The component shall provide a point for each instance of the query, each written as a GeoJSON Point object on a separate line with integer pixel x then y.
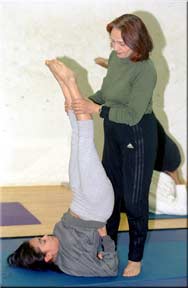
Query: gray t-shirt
{"type": "Point", "coordinates": [79, 244]}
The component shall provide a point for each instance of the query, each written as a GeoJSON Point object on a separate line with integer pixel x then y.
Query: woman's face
{"type": "Point", "coordinates": [49, 245]}
{"type": "Point", "coordinates": [118, 45]}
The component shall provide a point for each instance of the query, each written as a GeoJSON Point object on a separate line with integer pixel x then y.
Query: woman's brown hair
{"type": "Point", "coordinates": [25, 256]}
{"type": "Point", "coordinates": [134, 34]}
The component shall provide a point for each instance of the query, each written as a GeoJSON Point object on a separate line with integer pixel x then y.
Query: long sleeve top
{"type": "Point", "coordinates": [127, 89]}
{"type": "Point", "coordinates": [79, 243]}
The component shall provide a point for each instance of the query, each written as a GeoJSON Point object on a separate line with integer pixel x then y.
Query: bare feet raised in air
{"type": "Point", "coordinates": [132, 269]}
{"type": "Point", "coordinates": [67, 80]}
{"type": "Point", "coordinates": [55, 69]}
{"type": "Point", "coordinates": [59, 69]}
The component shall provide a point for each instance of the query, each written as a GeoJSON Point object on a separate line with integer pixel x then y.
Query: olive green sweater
{"type": "Point", "coordinates": [127, 89]}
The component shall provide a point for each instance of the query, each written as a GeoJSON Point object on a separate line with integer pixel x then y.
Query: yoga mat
{"type": "Point", "coordinates": [165, 216]}
{"type": "Point", "coordinates": [164, 265]}
{"type": "Point", "coordinates": [14, 213]}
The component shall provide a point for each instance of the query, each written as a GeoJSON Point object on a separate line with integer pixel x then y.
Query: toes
{"type": "Point", "coordinates": [131, 273]}
{"type": "Point", "coordinates": [132, 269]}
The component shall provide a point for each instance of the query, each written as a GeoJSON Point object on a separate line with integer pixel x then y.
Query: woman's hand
{"type": "Point", "coordinates": [84, 106]}
{"type": "Point", "coordinates": [102, 62]}
{"type": "Point", "coordinates": [100, 255]}
{"type": "Point", "coordinates": [67, 105]}
{"type": "Point", "coordinates": [102, 231]}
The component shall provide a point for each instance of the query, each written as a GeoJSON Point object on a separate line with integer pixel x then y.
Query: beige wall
{"type": "Point", "coordinates": [34, 130]}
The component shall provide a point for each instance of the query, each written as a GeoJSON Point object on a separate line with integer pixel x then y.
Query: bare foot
{"type": "Point", "coordinates": [52, 65]}
{"type": "Point", "coordinates": [63, 72]}
{"type": "Point", "coordinates": [132, 269]}
{"type": "Point", "coordinates": [67, 80]}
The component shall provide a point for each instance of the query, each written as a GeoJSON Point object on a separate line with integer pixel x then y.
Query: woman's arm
{"type": "Point", "coordinates": [108, 263]}
{"type": "Point", "coordinates": [102, 62]}
{"type": "Point", "coordinates": [83, 106]}
{"type": "Point", "coordinates": [140, 97]}
{"type": "Point", "coordinates": [93, 106]}
{"type": "Point", "coordinates": [68, 83]}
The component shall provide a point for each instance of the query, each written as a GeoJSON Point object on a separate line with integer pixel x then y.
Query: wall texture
{"type": "Point", "coordinates": [34, 129]}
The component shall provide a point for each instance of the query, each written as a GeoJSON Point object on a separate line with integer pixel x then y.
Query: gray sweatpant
{"type": "Point", "coordinates": [93, 195]}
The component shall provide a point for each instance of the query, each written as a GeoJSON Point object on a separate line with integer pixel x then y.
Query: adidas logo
{"type": "Point", "coordinates": [130, 146]}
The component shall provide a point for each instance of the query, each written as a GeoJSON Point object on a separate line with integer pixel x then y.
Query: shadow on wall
{"type": "Point", "coordinates": [160, 62]}
{"type": "Point", "coordinates": [86, 90]}
{"type": "Point", "coordinates": [163, 73]}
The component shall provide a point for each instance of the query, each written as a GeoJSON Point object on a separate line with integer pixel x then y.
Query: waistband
{"type": "Point", "coordinates": [72, 220]}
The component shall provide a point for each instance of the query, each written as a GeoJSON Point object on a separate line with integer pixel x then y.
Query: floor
{"type": "Point", "coordinates": [48, 203]}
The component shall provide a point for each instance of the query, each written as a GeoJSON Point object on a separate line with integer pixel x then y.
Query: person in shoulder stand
{"type": "Point", "coordinates": [79, 245]}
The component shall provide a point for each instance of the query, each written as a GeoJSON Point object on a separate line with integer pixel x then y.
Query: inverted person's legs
{"type": "Point", "coordinates": [92, 190]}
{"type": "Point", "coordinates": [94, 200]}
{"type": "Point", "coordinates": [96, 189]}
{"type": "Point", "coordinates": [74, 177]}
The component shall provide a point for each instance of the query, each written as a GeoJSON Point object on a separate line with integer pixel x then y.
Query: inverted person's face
{"type": "Point", "coordinates": [48, 245]}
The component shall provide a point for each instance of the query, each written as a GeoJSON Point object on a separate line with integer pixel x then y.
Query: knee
{"type": "Point", "coordinates": [137, 209]}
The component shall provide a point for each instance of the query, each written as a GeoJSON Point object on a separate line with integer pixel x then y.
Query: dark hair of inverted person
{"type": "Point", "coordinates": [134, 34]}
{"type": "Point", "coordinates": [26, 256]}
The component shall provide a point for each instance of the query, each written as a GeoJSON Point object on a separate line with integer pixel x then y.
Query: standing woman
{"type": "Point", "coordinates": [130, 129]}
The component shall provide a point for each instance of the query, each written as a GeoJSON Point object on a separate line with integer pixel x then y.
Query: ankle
{"type": "Point", "coordinates": [132, 269]}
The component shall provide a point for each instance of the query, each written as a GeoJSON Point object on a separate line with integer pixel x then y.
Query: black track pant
{"type": "Point", "coordinates": [129, 158]}
{"type": "Point", "coordinates": [130, 155]}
